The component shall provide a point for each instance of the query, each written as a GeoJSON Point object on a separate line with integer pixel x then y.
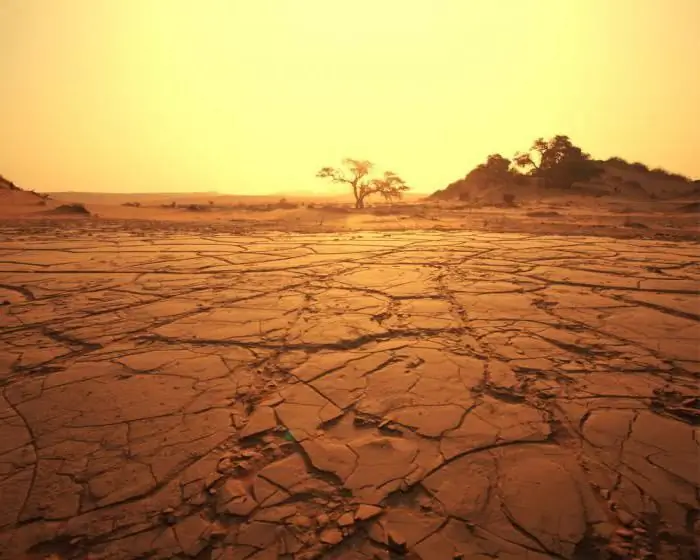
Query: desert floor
{"type": "Point", "coordinates": [187, 392]}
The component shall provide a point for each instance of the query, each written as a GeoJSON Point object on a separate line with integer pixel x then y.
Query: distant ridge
{"type": "Point", "coordinates": [7, 184]}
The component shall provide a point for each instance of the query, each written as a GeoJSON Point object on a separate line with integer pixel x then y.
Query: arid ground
{"type": "Point", "coordinates": [187, 392]}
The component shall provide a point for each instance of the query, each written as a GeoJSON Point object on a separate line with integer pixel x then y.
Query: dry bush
{"type": "Point", "coordinates": [509, 199]}
{"type": "Point", "coordinates": [74, 208]}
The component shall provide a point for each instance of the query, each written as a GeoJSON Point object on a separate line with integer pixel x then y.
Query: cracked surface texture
{"type": "Point", "coordinates": [428, 395]}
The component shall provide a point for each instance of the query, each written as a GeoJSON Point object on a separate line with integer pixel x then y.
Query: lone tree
{"type": "Point", "coordinates": [558, 162]}
{"type": "Point", "coordinates": [356, 174]}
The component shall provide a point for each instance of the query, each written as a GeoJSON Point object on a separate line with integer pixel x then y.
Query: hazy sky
{"type": "Point", "coordinates": [254, 96]}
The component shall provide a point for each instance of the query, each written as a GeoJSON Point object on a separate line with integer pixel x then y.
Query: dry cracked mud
{"type": "Point", "coordinates": [430, 395]}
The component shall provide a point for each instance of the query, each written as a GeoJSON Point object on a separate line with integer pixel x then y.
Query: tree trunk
{"type": "Point", "coordinates": [359, 203]}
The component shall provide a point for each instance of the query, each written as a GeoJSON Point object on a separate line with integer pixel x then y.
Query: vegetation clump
{"type": "Point", "coordinates": [356, 174]}
{"type": "Point", "coordinates": [73, 208]}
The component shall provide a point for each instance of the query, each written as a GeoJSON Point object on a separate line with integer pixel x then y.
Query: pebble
{"type": "Point", "coordinates": [301, 521]}
{"type": "Point", "coordinates": [625, 533]}
{"type": "Point", "coordinates": [396, 542]}
{"type": "Point", "coordinates": [346, 519]}
{"type": "Point", "coordinates": [367, 512]}
{"type": "Point", "coordinates": [625, 517]}
{"type": "Point", "coordinates": [322, 520]}
{"type": "Point", "coordinates": [331, 536]}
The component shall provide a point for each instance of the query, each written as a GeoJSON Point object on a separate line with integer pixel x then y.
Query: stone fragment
{"type": "Point", "coordinates": [365, 512]}
{"type": "Point", "coordinates": [262, 420]}
{"type": "Point", "coordinates": [331, 536]}
{"type": "Point", "coordinates": [625, 517]}
{"type": "Point", "coordinates": [233, 498]}
{"type": "Point", "coordinates": [190, 534]}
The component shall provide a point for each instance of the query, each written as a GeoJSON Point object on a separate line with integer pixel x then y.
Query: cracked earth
{"type": "Point", "coordinates": [427, 395]}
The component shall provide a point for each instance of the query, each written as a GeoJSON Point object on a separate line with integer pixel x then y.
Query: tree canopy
{"type": "Point", "coordinates": [558, 162]}
{"type": "Point", "coordinates": [356, 174]}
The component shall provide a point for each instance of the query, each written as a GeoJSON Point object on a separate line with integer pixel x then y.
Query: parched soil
{"type": "Point", "coordinates": [427, 394]}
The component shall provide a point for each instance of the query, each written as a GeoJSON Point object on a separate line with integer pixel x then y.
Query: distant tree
{"type": "Point", "coordinates": [617, 162]}
{"type": "Point", "coordinates": [356, 175]}
{"type": "Point", "coordinates": [558, 162]}
{"type": "Point", "coordinates": [638, 166]}
{"type": "Point", "coordinates": [497, 169]}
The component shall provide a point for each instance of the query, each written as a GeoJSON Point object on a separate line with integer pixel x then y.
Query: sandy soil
{"type": "Point", "coordinates": [563, 215]}
{"type": "Point", "coordinates": [202, 389]}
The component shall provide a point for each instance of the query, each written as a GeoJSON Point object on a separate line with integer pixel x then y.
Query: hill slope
{"type": "Point", "coordinates": [17, 201]}
{"type": "Point", "coordinates": [618, 180]}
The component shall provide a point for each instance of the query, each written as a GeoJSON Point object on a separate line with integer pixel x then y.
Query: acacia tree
{"type": "Point", "coordinates": [496, 170]}
{"type": "Point", "coordinates": [558, 162]}
{"type": "Point", "coordinates": [356, 174]}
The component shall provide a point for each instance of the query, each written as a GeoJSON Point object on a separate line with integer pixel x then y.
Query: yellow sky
{"type": "Point", "coordinates": [254, 96]}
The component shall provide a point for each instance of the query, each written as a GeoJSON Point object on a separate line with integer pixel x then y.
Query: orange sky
{"type": "Point", "coordinates": [254, 96]}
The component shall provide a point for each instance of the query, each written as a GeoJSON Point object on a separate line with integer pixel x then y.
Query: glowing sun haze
{"type": "Point", "coordinates": [255, 96]}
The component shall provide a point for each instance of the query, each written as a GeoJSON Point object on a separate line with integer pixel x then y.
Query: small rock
{"type": "Point", "coordinates": [365, 512]}
{"type": "Point", "coordinates": [605, 493]}
{"type": "Point", "coordinates": [640, 530]}
{"type": "Point", "coordinates": [250, 454]}
{"type": "Point", "coordinates": [234, 499]}
{"type": "Point", "coordinates": [346, 519]}
{"type": "Point", "coordinates": [625, 533]}
{"type": "Point", "coordinates": [612, 505]}
{"type": "Point", "coordinates": [225, 465]}
{"type": "Point", "coordinates": [262, 420]}
{"type": "Point", "coordinates": [322, 520]}
{"type": "Point", "coordinates": [625, 517]}
{"type": "Point", "coordinates": [301, 521]}
{"type": "Point", "coordinates": [397, 542]}
{"type": "Point", "coordinates": [331, 536]}
{"type": "Point", "coordinates": [211, 479]}
{"type": "Point", "coordinates": [604, 530]}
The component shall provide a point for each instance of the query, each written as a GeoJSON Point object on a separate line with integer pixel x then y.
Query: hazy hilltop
{"type": "Point", "coordinates": [13, 195]}
{"type": "Point", "coordinates": [555, 168]}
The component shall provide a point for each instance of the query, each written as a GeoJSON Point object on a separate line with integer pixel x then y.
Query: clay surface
{"type": "Point", "coordinates": [427, 395]}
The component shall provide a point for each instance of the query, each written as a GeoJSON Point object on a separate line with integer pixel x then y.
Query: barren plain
{"type": "Point", "coordinates": [185, 392]}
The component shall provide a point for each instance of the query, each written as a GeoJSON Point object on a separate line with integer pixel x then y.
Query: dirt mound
{"type": "Point", "coordinates": [8, 185]}
{"type": "Point", "coordinates": [74, 209]}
